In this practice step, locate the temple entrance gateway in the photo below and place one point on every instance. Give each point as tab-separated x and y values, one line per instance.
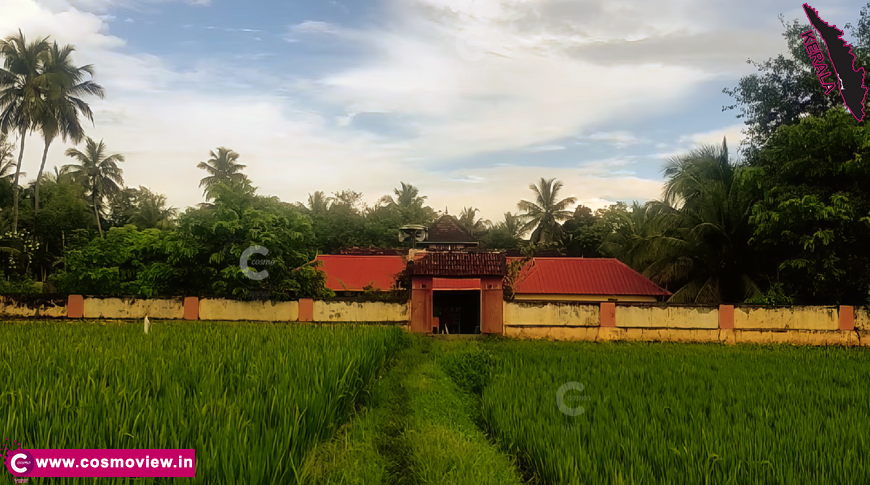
432	273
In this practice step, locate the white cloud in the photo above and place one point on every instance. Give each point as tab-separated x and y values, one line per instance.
618	138
315	27
732	134
527	92
545	148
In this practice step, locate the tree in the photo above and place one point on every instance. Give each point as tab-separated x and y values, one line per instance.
583	234
97	172
475	227
151	211
63	85
207	247
543	215
222	167
507	234
337	221
7	159
813	222
20	96
696	240
786	88
318	203
408	205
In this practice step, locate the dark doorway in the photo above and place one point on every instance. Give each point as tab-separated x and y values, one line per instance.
458	312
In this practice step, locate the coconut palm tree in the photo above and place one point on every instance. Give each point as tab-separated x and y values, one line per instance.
543	215
222	167
473	226
97	172
152	212
512	225
318	203
408	197
695	241
408	204
63	84
20	95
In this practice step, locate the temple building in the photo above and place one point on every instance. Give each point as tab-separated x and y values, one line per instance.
458	288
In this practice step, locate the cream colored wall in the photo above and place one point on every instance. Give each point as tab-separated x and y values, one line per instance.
590	298
787	318
352	311
172	309
599	334
648	316
256	311
12	307
862	319
550	314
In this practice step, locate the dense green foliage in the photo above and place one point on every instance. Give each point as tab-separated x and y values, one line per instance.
682	413
251	399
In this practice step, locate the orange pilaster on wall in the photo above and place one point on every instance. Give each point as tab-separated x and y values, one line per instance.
726	317
306	310
608	314
847	318
75	307
492	305
421	304
191	308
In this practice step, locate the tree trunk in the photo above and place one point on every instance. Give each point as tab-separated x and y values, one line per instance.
39	178
15	182
97	216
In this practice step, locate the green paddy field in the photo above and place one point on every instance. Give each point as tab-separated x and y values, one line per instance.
356	404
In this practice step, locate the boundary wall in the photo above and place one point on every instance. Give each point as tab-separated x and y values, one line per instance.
608	321
590	321
193	308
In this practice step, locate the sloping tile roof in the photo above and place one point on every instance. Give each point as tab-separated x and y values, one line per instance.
579	276
584	276
352	273
446	230
460	264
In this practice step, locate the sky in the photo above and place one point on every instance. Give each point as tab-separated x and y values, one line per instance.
469	100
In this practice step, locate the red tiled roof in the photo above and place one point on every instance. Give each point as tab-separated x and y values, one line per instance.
455	283
352	273
584	276
461	264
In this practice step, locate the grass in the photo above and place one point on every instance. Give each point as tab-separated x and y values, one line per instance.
672	413
252	399
372	405
419	429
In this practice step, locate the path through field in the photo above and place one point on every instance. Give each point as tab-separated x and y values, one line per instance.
418	428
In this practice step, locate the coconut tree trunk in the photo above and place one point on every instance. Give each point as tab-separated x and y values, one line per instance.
39	178
97	217
15	182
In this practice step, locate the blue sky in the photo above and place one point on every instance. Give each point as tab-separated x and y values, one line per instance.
471	101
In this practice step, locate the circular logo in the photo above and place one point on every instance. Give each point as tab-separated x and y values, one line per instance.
560	399
249	273
258	270
472	46
20	463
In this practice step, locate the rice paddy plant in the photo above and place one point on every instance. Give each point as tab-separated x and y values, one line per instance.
251	399
671	413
